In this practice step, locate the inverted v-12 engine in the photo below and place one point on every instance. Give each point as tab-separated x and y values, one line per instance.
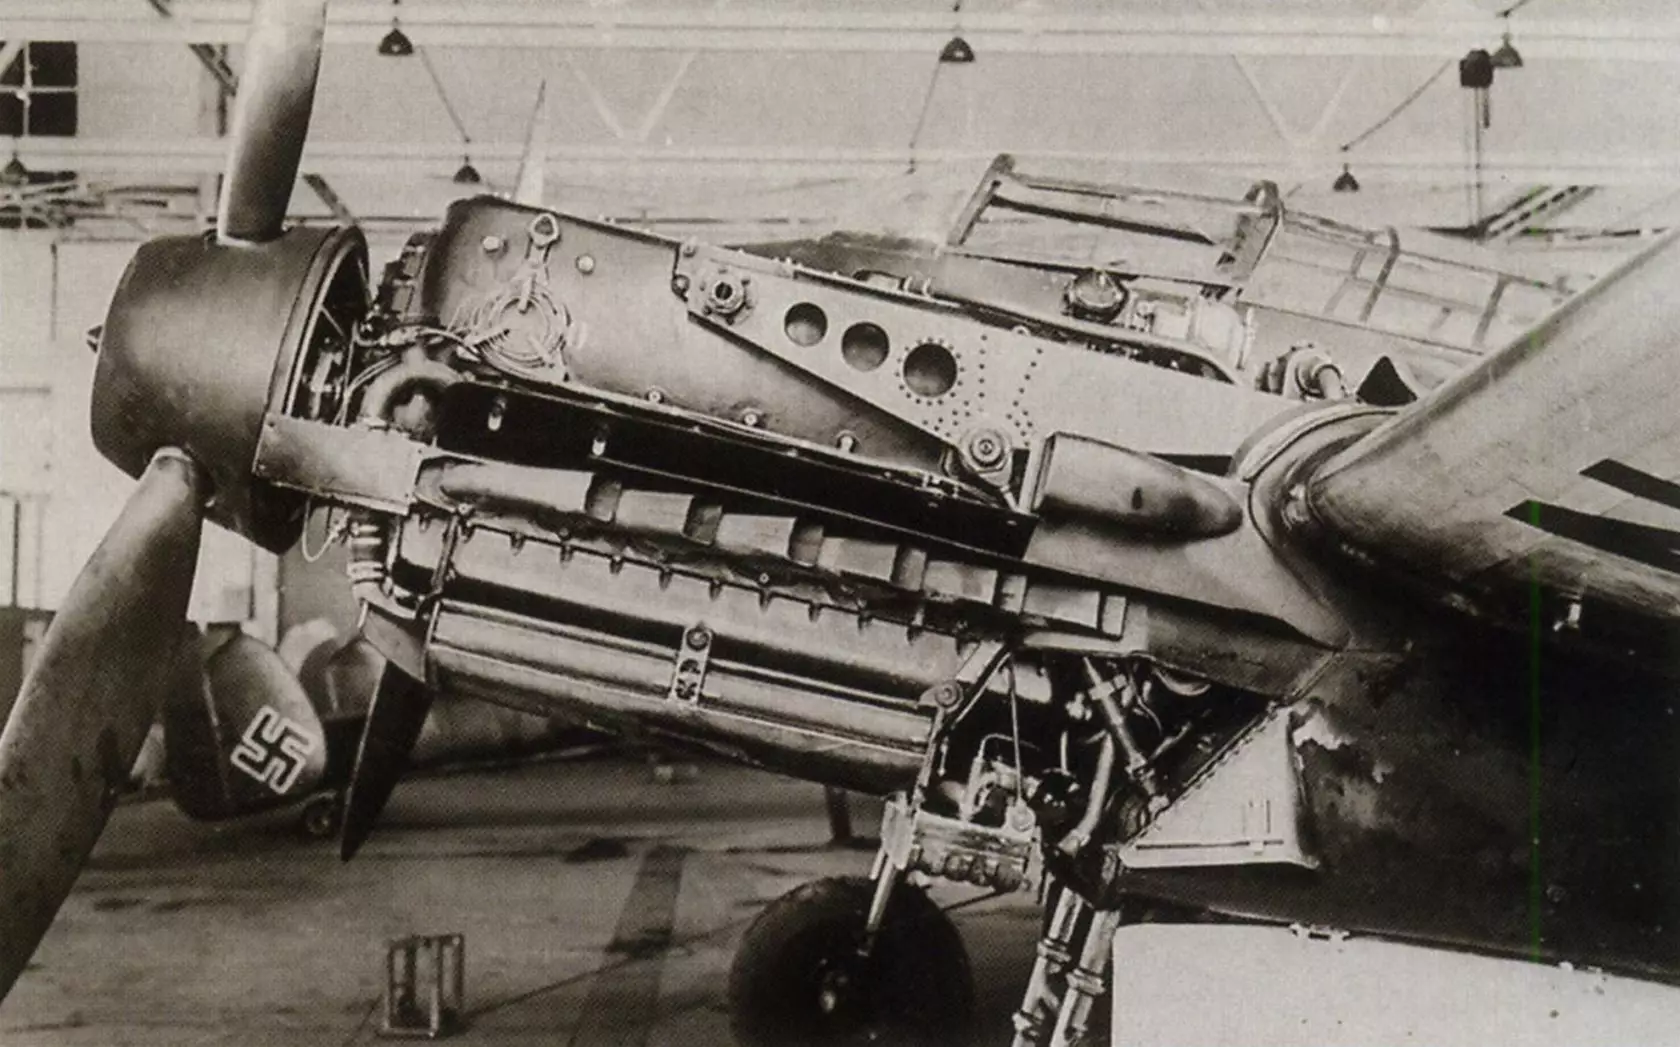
1011	569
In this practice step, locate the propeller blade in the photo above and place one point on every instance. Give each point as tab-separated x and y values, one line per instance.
117	645
393	725
271	118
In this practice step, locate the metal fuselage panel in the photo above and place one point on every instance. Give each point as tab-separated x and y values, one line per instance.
1500	796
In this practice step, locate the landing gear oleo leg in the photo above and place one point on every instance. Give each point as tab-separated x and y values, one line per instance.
1070	975
1039	1001
1086	982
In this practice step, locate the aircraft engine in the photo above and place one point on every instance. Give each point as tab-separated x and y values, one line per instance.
588	472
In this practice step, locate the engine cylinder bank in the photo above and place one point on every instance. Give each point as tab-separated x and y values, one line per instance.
769	675
622	684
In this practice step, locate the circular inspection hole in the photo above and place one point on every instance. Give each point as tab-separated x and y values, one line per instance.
805	324
930	370
864	346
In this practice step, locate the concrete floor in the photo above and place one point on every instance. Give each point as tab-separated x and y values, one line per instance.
602	907
560	876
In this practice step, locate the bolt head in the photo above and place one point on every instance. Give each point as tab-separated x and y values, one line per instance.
987	448
946	694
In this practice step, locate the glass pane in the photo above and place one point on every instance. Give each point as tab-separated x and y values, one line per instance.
54	63
11	115
52	114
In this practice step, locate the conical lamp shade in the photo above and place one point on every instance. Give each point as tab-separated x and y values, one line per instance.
396	44
467	174
1507	57
956	52
14	173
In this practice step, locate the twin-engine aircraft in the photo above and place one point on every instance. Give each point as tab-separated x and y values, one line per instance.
1095	606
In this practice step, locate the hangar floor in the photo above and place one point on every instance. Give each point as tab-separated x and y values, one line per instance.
601	906
598	905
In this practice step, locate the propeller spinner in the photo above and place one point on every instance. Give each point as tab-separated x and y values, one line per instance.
199	343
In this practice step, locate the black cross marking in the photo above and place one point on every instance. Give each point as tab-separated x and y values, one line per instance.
1656	547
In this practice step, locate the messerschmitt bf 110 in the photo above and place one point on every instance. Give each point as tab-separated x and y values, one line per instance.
1126	607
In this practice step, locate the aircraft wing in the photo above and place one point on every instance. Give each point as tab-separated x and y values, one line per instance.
1555	460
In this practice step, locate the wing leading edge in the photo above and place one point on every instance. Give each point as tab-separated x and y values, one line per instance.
1556	459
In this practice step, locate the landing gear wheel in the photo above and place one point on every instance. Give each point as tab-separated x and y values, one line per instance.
798	980
321	816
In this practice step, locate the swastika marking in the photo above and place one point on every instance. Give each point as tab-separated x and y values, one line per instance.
274	749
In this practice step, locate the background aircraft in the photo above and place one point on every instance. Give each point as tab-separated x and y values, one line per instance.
1088	607
212	735
199	753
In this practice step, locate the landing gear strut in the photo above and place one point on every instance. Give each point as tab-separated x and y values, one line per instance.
998	808
1069	976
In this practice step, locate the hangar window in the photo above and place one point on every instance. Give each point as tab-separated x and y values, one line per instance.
38	91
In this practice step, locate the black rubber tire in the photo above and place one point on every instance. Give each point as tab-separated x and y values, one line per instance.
915	989
321	816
